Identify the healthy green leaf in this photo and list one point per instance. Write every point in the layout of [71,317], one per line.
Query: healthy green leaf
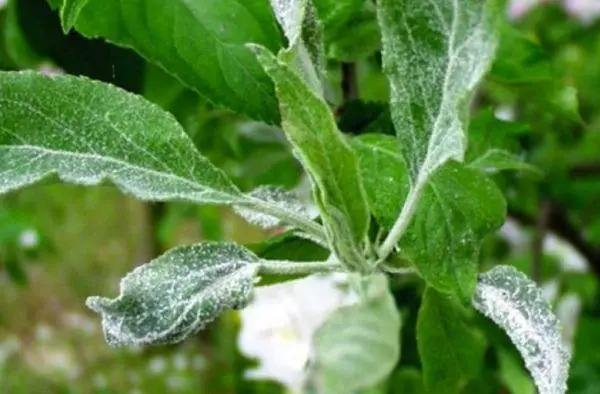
[357,16]
[177,294]
[199,42]
[86,131]
[451,350]
[359,345]
[407,380]
[328,158]
[457,209]
[513,302]
[493,145]
[434,53]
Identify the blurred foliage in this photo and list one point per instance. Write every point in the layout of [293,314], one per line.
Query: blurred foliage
[544,84]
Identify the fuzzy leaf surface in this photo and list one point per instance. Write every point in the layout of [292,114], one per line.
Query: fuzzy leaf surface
[86,131]
[177,294]
[201,42]
[326,155]
[517,305]
[359,345]
[458,207]
[434,54]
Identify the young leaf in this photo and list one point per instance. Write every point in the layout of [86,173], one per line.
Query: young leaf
[513,301]
[458,208]
[451,351]
[86,131]
[275,196]
[305,53]
[177,294]
[359,345]
[434,53]
[199,42]
[493,143]
[331,163]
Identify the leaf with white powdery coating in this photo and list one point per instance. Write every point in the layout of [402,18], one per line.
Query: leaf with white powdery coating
[434,54]
[457,208]
[201,42]
[359,345]
[177,294]
[305,52]
[514,303]
[86,131]
[330,161]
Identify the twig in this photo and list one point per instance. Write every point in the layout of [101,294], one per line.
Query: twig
[586,170]
[559,223]
[349,83]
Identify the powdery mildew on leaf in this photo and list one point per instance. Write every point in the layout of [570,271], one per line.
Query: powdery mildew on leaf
[358,346]
[434,54]
[290,15]
[177,294]
[513,301]
[275,196]
[86,131]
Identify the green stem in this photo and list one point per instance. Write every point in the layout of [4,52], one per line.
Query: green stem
[408,210]
[298,267]
[308,226]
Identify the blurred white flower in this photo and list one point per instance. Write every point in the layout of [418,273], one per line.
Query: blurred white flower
[3,3]
[157,365]
[278,325]
[29,239]
[584,10]
[568,310]
[180,362]
[8,347]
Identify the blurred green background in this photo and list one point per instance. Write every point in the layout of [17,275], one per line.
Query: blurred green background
[60,244]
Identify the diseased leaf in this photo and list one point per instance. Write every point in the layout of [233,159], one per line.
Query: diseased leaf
[328,158]
[359,345]
[275,196]
[384,175]
[457,209]
[434,54]
[199,42]
[513,301]
[305,52]
[451,350]
[86,131]
[177,294]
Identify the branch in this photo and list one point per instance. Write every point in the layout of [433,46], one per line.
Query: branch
[586,170]
[538,240]
[349,84]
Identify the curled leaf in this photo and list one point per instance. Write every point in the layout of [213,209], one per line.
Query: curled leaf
[513,302]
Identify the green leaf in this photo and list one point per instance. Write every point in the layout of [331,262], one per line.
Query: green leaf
[512,373]
[457,209]
[338,18]
[328,158]
[305,52]
[407,380]
[14,41]
[359,345]
[451,350]
[177,294]
[434,54]
[86,131]
[514,303]
[493,145]
[199,42]
[384,175]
